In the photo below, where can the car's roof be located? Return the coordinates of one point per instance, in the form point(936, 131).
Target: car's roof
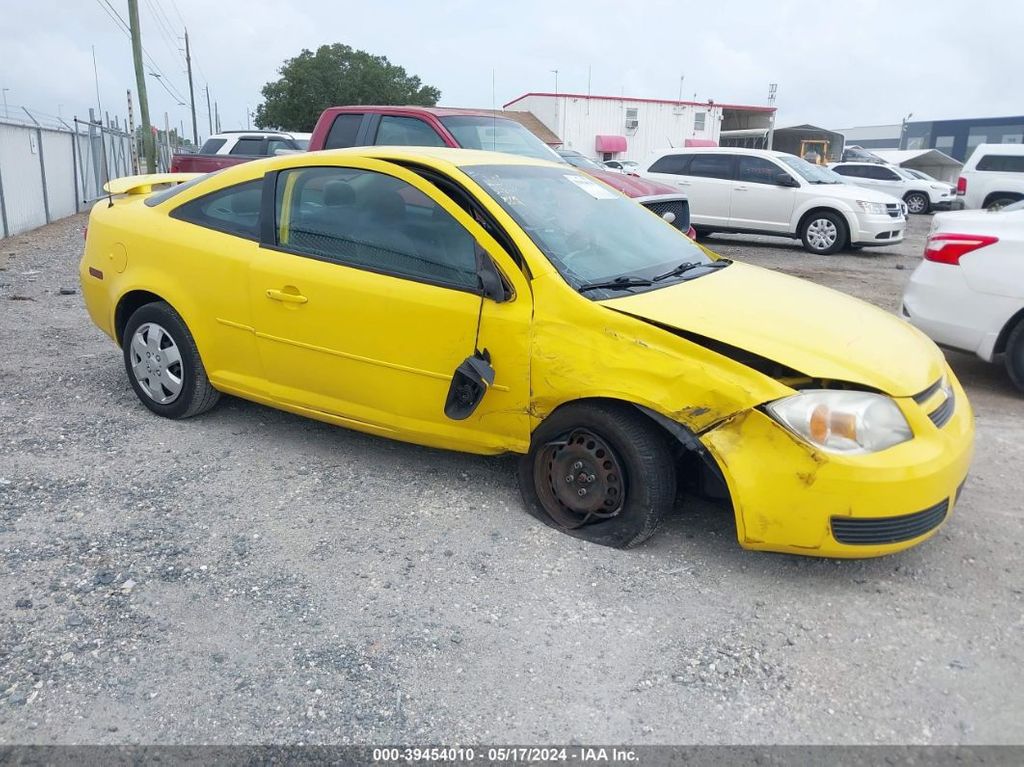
point(457, 157)
point(722, 150)
point(1000, 148)
point(436, 111)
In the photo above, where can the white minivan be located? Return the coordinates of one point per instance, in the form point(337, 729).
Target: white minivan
point(760, 192)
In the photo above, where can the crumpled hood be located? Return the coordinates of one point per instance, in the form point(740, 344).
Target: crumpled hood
point(632, 186)
point(817, 331)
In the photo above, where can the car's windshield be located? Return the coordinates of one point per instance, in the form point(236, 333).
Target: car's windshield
point(816, 174)
point(904, 173)
point(589, 232)
point(497, 135)
point(580, 161)
point(301, 143)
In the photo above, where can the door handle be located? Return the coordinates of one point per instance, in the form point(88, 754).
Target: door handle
point(682, 183)
point(739, 188)
point(286, 296)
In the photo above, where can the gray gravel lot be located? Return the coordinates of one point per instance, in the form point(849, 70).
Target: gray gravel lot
point(250, 576)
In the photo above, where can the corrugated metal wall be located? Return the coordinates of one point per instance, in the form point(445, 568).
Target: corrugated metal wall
point(48, 173)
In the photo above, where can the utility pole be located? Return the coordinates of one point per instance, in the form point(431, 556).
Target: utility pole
point(209, 112)
point(216, 116)
point(191, 91)
point(773, 88)
point(149, 147)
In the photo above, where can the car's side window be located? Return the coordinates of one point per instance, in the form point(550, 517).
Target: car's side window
point(671, 163)
point(211, 145)
point(250, 146)
point(757, 170)
point(712, 166)
point(1002, 163)
point(344, 131)
point(278, 143)
point(234, 210)
point(878, 173)
point(853, 171)
point(406, 131)
point(372, 221)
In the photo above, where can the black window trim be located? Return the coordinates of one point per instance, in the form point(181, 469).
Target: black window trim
point(268, 236)
point(176, 213)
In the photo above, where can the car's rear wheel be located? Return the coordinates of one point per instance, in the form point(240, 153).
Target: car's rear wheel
point(1000, 202)
point(163, 363)
point(823, 233)
point(600, 472)
point(1015, 355)
point(917, 202)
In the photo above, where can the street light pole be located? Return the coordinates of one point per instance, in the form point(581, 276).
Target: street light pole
point(6, 115)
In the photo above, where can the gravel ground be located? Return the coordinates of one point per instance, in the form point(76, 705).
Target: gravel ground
point(253, 577)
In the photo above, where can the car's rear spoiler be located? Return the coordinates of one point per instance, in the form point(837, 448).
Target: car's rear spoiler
point(144, 184)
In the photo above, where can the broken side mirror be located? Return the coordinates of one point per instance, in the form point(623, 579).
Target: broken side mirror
point(491, 285)
point(471, 381)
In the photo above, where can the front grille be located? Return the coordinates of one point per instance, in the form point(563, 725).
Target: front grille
point(862, 531)
point(940, 416)
point(893, 209)
point(921, 397)
point(679, 208)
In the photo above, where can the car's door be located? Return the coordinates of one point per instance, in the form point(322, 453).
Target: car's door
point(759, 201)
point(365, 300)
point(705, 178)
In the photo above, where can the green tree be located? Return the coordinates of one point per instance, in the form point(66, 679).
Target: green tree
point(333, 76)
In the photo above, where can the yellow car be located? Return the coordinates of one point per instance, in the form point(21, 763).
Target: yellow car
point(489, 303)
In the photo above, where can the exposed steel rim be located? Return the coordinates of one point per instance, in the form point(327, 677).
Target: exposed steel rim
point(579, 479)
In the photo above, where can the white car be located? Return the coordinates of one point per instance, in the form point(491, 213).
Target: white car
point(623, 166)
point(968, 293)
point(993, 176)
point(921, 196)
point(255, 143)
point(761, 192)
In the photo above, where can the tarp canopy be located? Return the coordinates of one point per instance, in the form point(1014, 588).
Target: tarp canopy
point(611, 144)
point(931, 161)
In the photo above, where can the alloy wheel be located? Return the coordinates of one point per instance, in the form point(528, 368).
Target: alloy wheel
point(156, 363)
point(822, 234)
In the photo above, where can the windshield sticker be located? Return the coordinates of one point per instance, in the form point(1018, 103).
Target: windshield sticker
point(592, 188)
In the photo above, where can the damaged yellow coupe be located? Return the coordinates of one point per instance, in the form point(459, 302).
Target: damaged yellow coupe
point(489, 303)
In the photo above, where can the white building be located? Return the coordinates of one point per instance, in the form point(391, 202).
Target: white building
point(613, 127)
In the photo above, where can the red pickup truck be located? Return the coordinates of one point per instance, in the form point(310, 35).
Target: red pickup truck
point(340, 127)
point(234, 147)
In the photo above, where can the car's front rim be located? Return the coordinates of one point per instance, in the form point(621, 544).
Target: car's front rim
point(156, 363)
point(580, 479)
point(916, 203)
point(822, 234)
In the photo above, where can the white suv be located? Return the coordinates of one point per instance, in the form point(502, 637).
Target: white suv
point(761, 192)
point(993, 176)
point(921, 196)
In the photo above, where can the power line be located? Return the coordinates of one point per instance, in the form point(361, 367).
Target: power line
point(119, 22)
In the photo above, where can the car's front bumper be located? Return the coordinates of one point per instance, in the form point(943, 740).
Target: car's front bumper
point(878, 230)
point(790, 498)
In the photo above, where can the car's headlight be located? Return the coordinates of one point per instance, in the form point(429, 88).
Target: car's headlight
point(847, 422)
point(877, 208)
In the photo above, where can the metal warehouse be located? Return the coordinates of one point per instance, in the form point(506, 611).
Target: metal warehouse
point(625, 128)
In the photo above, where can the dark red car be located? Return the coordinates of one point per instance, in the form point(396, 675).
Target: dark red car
point(340, 127)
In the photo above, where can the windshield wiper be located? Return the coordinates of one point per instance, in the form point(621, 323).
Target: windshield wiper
point(688, 265)
point(619, 283)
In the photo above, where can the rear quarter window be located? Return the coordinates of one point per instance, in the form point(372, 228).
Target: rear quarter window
point(211, 145)
point(233, 210)
point(1002, 163)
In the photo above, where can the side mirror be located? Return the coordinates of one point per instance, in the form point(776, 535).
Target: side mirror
point(784, 179)
point(470, 383)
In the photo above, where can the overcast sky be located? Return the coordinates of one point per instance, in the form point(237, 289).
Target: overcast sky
point(837, 64)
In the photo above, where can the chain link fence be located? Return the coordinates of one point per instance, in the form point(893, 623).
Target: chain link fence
point(50, 168)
